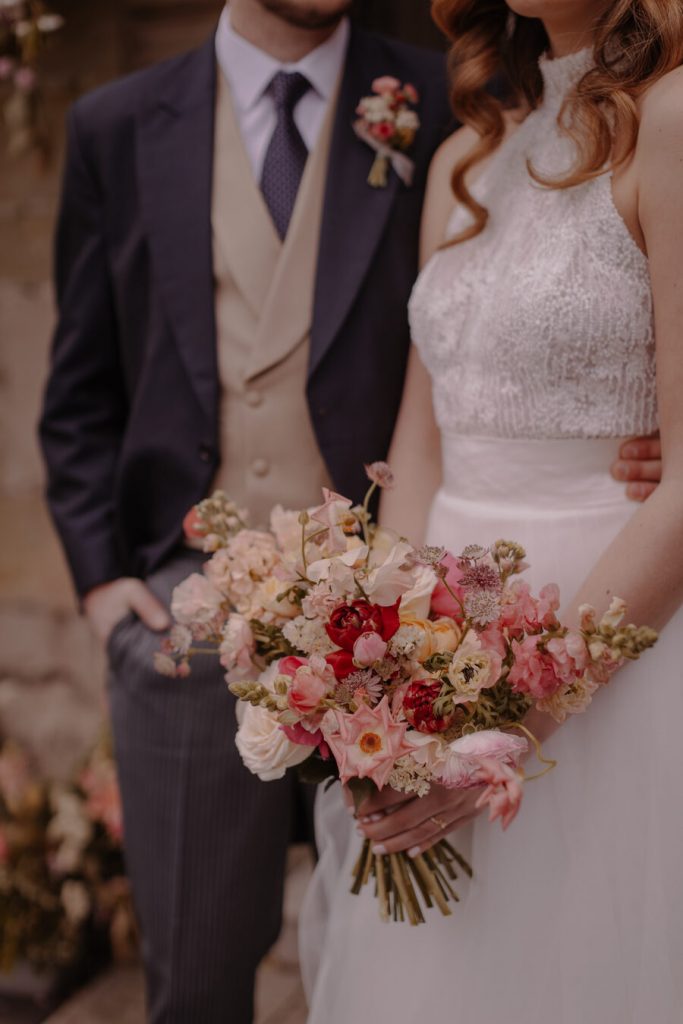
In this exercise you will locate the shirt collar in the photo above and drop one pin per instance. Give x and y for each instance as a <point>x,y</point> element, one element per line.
<point>250,70</point>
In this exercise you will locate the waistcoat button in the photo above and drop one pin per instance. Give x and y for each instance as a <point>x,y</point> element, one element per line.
<point>260,467</point>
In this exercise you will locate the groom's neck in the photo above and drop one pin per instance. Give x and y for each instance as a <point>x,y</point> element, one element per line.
<point>274,33</point>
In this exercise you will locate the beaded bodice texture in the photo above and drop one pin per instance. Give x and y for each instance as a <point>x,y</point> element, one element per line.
<point>542,325</point>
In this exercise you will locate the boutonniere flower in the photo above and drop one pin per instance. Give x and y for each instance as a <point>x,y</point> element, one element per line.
<point>388,125</point>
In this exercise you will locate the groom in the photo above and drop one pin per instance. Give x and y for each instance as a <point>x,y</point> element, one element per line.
<point>232,297</point>
<point>232,302</point>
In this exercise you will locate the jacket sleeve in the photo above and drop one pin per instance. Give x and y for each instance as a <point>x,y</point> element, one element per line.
<point>85,407</point>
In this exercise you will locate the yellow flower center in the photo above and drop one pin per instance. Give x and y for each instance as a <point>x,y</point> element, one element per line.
<point>370,742</point>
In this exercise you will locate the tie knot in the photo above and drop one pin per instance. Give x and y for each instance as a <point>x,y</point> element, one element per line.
<point>287,88</point>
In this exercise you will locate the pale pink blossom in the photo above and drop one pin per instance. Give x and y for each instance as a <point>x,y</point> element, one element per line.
<point>570,655</point>
<point>573,699</point>
<point>380,473</point>
<point>534,672</point>
<point>386,85</point>
<point>503,793</point>
<point>196,600</point>
<point>335,515</point>
<point>237,648</point>
<point>368,743</point>
<point>369,648</point>
<point>390,580</point>
<point>547,605</point>
<point>165,665</point>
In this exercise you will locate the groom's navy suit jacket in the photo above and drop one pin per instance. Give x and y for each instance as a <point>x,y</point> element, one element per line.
<point>130,422</point>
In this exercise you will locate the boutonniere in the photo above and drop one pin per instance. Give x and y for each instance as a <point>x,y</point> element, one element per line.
<point>388,125</point>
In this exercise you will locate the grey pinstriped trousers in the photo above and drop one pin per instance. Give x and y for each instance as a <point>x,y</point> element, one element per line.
<point>205,840</point>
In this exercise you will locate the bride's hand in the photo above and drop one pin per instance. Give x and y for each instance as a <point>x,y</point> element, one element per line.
<point>395,823</point>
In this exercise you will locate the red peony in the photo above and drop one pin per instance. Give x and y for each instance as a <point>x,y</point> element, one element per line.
<point>418,707</point>
<point>348,622</point>
<point>342,664</point>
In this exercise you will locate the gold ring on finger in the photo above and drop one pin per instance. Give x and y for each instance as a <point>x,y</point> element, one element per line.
<point>443,825</point>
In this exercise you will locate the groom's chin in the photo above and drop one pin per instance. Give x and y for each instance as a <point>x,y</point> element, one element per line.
<point>311,14</point>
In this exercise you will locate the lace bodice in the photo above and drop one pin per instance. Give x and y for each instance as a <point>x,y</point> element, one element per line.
<point>541,326</point>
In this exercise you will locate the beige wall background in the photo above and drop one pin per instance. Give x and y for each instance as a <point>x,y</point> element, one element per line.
<point>51,670</point>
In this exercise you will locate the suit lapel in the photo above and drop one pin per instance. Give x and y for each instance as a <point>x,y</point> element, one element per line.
<point>242,225</point>
<point>175,165</point>
<point>354,213</point>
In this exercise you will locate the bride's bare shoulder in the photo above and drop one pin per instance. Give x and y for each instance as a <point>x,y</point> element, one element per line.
<point>440,201</point>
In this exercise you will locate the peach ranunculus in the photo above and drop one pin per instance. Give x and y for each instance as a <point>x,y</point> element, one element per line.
<point>432,636</point>
<point>196,601</point>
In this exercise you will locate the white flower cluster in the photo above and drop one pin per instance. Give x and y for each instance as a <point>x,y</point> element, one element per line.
<point>308,635</point>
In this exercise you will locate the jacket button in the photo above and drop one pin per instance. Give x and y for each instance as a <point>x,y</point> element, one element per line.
<point>205,453</point>
<point>260,467</point>
<point>253,398</point>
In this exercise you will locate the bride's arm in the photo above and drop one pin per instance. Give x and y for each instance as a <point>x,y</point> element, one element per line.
<point>415,455</point>
<point>644,564</point>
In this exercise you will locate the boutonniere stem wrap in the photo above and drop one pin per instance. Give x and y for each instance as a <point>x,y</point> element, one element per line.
<point>388,125</point>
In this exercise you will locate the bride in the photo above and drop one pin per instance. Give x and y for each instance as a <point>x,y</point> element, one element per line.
<point>546,328</point>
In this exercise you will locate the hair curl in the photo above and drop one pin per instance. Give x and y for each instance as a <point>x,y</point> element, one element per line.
<point>635,43</point>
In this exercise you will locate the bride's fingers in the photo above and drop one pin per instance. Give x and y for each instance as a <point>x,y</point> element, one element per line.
<point>385,802</point>
<point>411,815</point>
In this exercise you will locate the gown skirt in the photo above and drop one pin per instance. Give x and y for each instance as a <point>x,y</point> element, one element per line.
<point>575,914</point>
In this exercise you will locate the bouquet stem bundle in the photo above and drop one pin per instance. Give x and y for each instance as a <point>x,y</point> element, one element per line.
<point>405,885</point>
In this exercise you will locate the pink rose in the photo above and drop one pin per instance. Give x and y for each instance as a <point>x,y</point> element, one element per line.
<point>369,648</point>
<point>503,793</point>
<point>442,601</point>
<point>463,758</point>
<point>196,601</point>
<point>386,85</point>
<point>311,683</point>
<point>534,672</point>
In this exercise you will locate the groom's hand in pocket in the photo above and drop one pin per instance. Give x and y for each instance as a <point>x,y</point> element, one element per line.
<point>639,466</point>
<point>106,605</point>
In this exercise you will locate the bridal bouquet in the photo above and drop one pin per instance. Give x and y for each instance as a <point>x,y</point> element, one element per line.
<point>356,656</point>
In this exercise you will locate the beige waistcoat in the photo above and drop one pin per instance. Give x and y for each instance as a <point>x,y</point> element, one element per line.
<point>264,304</point>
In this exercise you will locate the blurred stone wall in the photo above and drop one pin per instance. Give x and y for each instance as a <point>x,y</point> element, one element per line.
<point>51,670</point>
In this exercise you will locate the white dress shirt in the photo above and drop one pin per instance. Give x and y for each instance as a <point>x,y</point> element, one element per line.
<point>249,71</point>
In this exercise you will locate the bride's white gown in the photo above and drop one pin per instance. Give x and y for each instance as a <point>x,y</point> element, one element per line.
<point>539,338</point>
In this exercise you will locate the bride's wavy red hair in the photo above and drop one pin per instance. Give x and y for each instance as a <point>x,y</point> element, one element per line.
<point>636,42</point>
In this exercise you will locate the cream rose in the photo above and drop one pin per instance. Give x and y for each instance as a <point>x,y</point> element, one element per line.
<point>263,746</point>
<point>438,636</point>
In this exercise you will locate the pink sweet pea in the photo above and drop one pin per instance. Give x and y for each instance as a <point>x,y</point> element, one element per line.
<point>570,656</point>
<point>369,648</point>
<point>442,602</point>
<point>503,793</point>
<point>196,601</point>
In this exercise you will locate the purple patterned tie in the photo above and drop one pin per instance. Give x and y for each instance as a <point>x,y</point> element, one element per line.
<point>287,154</point>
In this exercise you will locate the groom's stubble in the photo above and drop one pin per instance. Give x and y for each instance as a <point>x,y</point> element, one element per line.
<point>307,14</point>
